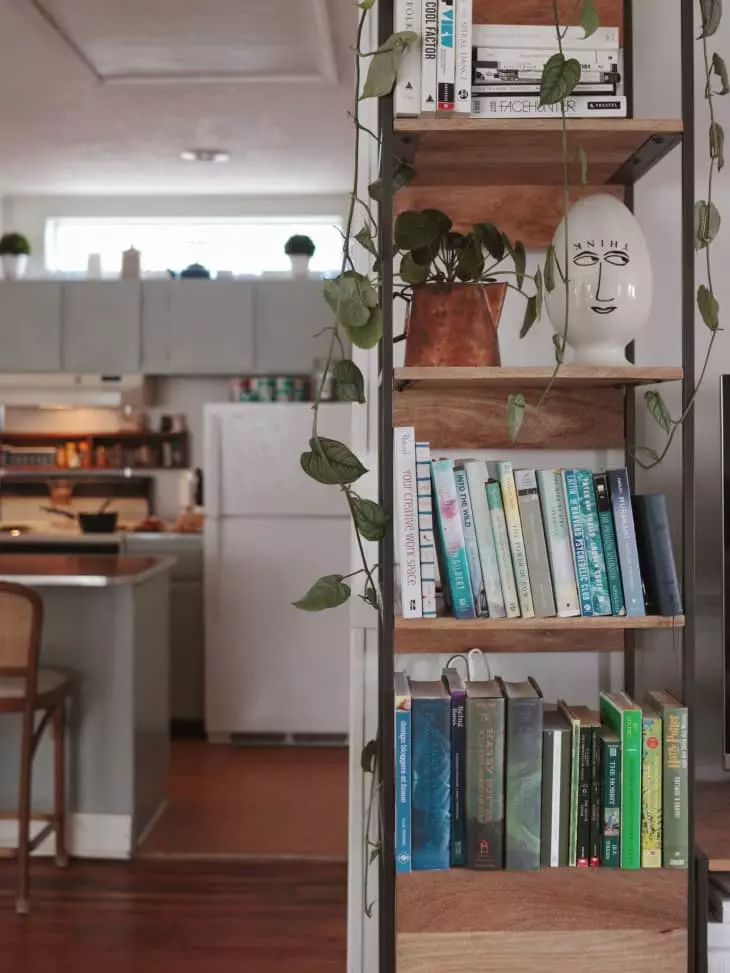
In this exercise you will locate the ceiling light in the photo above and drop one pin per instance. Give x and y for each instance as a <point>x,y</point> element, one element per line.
<point>205,155</point>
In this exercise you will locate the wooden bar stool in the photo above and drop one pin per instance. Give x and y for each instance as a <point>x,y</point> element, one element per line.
<point>28,690</point>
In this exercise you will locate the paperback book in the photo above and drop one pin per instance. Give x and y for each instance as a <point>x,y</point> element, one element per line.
<point>431,770</point>
<point>446,58</point>
<point>477,476</point>
<point>651,789</point>
<point>529,106</point>
<point>451,533</point>
<point>456,690</point>
<point>462,84</point>
<point>559,545</point>
<point>425,530</point>
<point>402,691</point>
<point>675,783</point>
<point>610,798</point>
<point>409,16</point>
<point>408,544</point>
<point>429,55</point>
<point>478,588</point>
<point>555,800</point>
<point>623,716</point>
<point>506,479</point>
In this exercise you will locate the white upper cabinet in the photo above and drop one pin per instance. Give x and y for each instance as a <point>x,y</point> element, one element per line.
<point>30,326</point>
<point>102,327</point>
<point>289,313</point>
<point>197,327</point>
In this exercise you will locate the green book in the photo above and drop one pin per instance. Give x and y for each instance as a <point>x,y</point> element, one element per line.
<point>523,773</point>
<point>610,798</point>
<point>675,783</point>
<point>594,858</point>
<point>485,775</point>
<point>621,714</point>
<point>574,778</point>
<point>651,789</point>
<point>610,550</point>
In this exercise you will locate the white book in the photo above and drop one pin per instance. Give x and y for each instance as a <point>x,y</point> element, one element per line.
<point>502,550</point>
<point>409,16</point>
<point>524,59</point>
<point>506,478</point>
<point>528,106</point>
<point>446,59</point>
<point>462,84</point>
<point>425,530</point>
<point>518,35</point>
<point>532,89</point>
<point>406,501</point>
<point>470,540</point>
<point>507,76</point>
<point>477,476</point>
<point>429,54</point>
<point>559,542</point>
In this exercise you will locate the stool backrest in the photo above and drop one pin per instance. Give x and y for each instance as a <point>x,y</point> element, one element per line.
<point>21,623</point>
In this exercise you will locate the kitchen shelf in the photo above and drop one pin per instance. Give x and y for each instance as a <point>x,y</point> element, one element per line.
<point>74,470</point>
<point>570,376</point>
<point>41,438</point>
<point>515,635</point>
<point>456,151</point>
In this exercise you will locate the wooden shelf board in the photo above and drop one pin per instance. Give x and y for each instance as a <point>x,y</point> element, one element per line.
<point>41,438</point>
<point>574,376</point>
<point>514,635</point>
<point>471,151</point>
<point>712,824</point>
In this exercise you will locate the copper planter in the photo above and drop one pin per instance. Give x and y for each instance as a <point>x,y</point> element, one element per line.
<point>454,324</point>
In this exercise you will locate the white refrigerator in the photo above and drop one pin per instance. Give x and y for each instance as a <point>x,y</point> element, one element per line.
<point>269,533</point>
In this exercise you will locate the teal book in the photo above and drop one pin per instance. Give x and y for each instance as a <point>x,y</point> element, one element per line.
<point>577,535</point>
<point>610,799</point>
<point>624,717</point>
<point>594,544</point>
<point>610,549</point>
<point>523,774</point>
<point>453,546</point>
<point>431,776</point>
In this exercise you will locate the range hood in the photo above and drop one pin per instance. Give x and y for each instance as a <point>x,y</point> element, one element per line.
<point>74,391</point>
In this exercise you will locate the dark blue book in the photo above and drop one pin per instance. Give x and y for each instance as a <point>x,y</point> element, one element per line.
<point>656,555</point>
<point>455,687</point>
<point>431,776</point>
<point>628,553</point>
<point>402,693</point>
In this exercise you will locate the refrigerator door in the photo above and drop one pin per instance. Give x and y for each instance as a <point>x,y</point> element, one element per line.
<point>271,668</point>
<point>252,456</point>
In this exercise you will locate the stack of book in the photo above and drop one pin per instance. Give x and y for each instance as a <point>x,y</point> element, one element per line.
<point>495,71</point>
<point>503,543</point>
<point>488,776</point>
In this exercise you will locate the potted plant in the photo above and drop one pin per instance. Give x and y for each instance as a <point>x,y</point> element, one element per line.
<point>300,250</point>
<point>14,250</point>
<point>456,284</point>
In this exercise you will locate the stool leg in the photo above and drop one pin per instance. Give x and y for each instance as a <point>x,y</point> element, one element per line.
<point>59,782</point>
<point>26,758</point>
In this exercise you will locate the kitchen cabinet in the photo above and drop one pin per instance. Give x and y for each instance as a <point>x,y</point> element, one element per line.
<point>289,313</point>
<point>102,327</point>
<point>197,327</point>
<point>30,326</point>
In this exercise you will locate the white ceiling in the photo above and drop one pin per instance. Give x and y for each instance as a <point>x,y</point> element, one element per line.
<point>101,96</point>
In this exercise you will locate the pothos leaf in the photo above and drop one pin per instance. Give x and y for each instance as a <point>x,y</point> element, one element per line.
<point>515,414</point>
<point>350,381</point>
<point>720,69</point>
<point>538,293</point>
<point>559,78</point>
<point>550,269</point>
<point>370,518</point>
<point>365,238</point>
<point>384,64</point>
<point>711,13</point>
<point>519,256</point>
<point>559,348</point>
<point>589,17</point>
<point>345,298</point>
<point>368,336</point>
<point>491,239</point>
<point>369,757</point>
<point>583,159</point>
<point>717,144</point>
<point>331,462</point>
<point>707,223</point>
<point>530,316</point>
<point>709,307</point>
<point>327,592</point>
<point>403,175</point>
<point>370,596</point>
<point>658,410</point>
<point>366,4</point>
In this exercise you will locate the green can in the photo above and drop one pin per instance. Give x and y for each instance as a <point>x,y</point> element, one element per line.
<point>284,389</point>
<point>301,390</point>
<point>263,388</point>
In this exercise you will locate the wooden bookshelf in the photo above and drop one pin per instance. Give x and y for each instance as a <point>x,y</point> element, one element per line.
<point>515,378</point>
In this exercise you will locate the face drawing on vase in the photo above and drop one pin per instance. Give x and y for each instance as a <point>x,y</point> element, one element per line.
<point>597,266</point>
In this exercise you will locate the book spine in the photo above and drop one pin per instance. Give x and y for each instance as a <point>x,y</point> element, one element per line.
<point>452,539</point>
<point>523,783</point>
<point>485,783</point>
<point>533,60</point>
<point>631,789</point>
<point>425,530</point>
<point>516,540</point>
<point>403,785</point>
<point>476,474</point>
<point>429,54</point>
<point>533,36</point>
<point>676,787</point>
<point>446,59</point>
<point>462,86</point>
<point>550,799</point>
<point>499,73</point>
<point>655,544</point>
<point>651,792</point>
<point>611,803</point>
<point>470,542</point>
<point>409,555</point>
<point>573,790</point>
<point>596,828</point>
<point>577,533</point>
<point>531,89</point>
<point>533,531</point>
<point>502,551</point>
<point>559,547</point>
<point>594,546</point>
<point>458,779</point>
<point>431,790</point>
<point>522,106</point>
<point>628,554</point>
<point>610,550</point>
<point>408,16</point>
<point>585,764</point>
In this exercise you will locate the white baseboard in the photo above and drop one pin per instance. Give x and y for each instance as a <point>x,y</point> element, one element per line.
<point>89,836</point>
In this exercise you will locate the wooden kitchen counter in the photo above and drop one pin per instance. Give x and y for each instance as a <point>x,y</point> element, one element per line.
<point>80,570</point>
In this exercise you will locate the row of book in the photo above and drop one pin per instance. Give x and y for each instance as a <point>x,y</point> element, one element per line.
<point>488,776</point>
<point>530,543</point>
<point>495,70</point>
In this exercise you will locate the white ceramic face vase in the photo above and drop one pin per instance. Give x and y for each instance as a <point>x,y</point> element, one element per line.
<point>611,284</point>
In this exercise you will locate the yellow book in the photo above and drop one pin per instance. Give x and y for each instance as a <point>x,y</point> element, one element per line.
<point>651,789</point>
<point>506,478</point>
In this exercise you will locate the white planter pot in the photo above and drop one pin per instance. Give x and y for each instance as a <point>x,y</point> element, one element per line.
<point>14,266</point>
<point>299,264</point>
<point>610,280</point>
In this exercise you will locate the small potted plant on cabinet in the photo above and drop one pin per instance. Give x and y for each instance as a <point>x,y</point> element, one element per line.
<point>300,250</point>
<point>14,250</point>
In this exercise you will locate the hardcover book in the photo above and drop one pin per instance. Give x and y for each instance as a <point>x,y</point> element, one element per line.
<point>675,783</point>
<point>409,16</point>
<point>533,36</point>
<point>455,687</point>
<point>506,479</point>
<point>530,106</point>
<point>577,534</point>
<point>575,741</point>
<point>429,54</point>
<point>587,724</point>
<point>431,776</point>
<point>559,544</point>
<point>425,530</point>
<point>608,537</point>
<point>596,829</point>
<point>462,86</point>
<point>470,541</point>
<point>656,554</point>
<point>610,799</point>
<point>594,65</point>
<point>555,800</point>
<point>453,548</point>
<point>485,732</point>
<point>477,476</point>
<point>594,545</point>
<point>446,59</point>
<point>623,716</point>
<point>402,691</point>
<point>628,554</point>
<point>502,551</point>
<point>651,789</point>
<point>533,531</point>
<point>523,773</point>
<point>408,549</point>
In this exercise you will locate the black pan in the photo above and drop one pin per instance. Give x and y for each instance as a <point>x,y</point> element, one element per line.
<point>99,523</point>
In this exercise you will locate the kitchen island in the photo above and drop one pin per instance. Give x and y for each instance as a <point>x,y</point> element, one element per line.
<point>106,620</point>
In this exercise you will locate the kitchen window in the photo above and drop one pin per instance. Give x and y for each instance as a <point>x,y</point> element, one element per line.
<point>242,246</point>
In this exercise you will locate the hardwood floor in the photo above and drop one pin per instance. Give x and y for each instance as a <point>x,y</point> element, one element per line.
<point>186,917</point>
<point>269,802</point>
